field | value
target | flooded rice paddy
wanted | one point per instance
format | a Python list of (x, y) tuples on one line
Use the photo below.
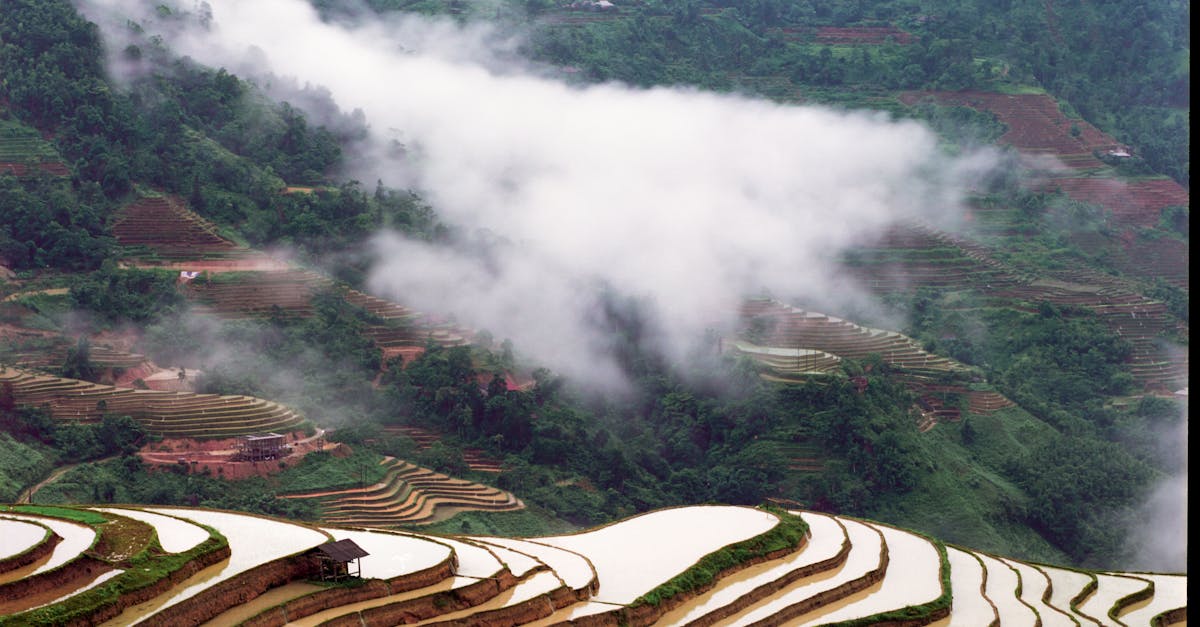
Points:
[(864, 557), (1111, 588), (915, 579), (1002, 582), (252, 542), (634, 556), (572, 567), (1170, 592), (971, 607), (76, 539), (537, 585), (518, 563), (393, 555), (824, 541), (1033, 585), (18, 536), (1064, 586), (473, 560)]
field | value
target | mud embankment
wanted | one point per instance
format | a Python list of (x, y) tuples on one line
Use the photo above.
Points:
[(161, 586), (430, 605), (310, 604), (22, 594), (236, 590)]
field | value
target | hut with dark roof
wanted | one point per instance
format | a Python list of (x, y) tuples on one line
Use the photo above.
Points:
[(339, 560)]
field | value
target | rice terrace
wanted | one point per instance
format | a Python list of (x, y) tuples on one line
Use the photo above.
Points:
[(595, 312)]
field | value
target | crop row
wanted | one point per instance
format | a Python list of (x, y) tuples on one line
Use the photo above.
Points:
[(408, 495)]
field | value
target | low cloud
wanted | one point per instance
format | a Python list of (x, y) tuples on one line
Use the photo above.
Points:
[(682, 201), (1158, 539)]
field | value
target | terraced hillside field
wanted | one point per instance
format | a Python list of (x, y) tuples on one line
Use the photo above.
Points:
[(238, 282), (1134, 203), (408, 495), (909, 257), (290, 293), (699, 565), (49, 350), (169, 414), (23, 150), (793, 344), (1036, 125), (164, 226)]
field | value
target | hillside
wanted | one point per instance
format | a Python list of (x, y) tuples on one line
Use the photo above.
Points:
[(884, 261)]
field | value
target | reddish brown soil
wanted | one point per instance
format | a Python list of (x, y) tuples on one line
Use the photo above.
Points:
[(1138, 203), (215, 456), (1035, 124)]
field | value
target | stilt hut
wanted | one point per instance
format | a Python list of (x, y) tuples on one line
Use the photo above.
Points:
[(339, 560)]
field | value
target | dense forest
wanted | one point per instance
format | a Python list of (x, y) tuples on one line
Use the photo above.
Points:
[(1057, 476)]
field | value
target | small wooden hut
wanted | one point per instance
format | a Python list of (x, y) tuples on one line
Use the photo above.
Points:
[(339, 560)]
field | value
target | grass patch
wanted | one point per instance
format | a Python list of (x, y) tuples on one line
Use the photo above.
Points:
[(21, 466), (322, 471), (66, 513)]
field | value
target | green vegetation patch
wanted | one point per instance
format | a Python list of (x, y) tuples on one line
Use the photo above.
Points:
[(66, 513), (787, 534), (21, 465), (19, 143), (322, 471)]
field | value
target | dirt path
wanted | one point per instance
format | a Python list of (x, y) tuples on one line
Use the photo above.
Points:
[(26, 497)]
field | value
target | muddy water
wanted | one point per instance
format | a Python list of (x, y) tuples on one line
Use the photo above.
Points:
[(573, 612), (1002, 583), (864, 556), (912, 577), (539, 584), (633, 556), (1065, 584), (971, 607), (1033, 585), (824, 541), (571, 567), (103, 577), (1111, 588), (473, 560), (1170, 592), (175, 536), (441, 586), (18, 536), (76, 539), (392, 555), (518, 563), (268, 599)]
